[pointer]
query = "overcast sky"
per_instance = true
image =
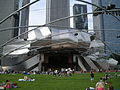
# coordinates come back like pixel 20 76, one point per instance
pixel 38 14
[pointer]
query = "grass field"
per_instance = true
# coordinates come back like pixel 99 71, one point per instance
pixel 49 82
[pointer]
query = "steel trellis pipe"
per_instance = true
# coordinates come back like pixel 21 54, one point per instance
pixel 10 28
pixel 35 40
pixel 22 47
pixel 54 22
pixel 51 44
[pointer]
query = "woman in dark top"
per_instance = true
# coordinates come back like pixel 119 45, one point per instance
pixel 110 86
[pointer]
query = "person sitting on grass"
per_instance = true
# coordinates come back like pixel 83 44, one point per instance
pixel 8 84
pixel 110 86
pixel 26 79
pixel 14 85
pixel 100 85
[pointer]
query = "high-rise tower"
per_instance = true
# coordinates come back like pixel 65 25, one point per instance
pixel 6 8
pixel 18 19
pixel 56 9
pixel 107 27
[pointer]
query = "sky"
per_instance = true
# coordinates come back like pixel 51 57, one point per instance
pixel 38 14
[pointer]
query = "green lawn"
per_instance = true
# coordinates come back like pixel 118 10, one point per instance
pixel 49 82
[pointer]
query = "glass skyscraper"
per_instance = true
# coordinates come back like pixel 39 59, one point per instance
pixel 56 9
pixel 18 19
pixel 107 27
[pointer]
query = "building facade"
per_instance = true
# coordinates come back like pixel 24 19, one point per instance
pixel 18 19
pixel 80 22
pixel 62 49
pixel 107 27
pixel 7 7
pixel 56 9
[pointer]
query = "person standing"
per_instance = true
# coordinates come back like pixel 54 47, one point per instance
pixel 92 76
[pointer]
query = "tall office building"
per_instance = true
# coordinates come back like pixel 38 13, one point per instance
pixel 107 27
pixel 56 9
pixel 80 22
pixel 18 19
pixel 7 7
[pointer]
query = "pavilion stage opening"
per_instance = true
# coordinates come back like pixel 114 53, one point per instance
pixel 58 61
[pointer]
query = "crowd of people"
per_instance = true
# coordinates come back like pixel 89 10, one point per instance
pixel 55 72
pixel 103 82
pixel 100 85
pixel 62 72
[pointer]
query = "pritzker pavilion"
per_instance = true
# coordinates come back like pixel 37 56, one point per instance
pixel 62 47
